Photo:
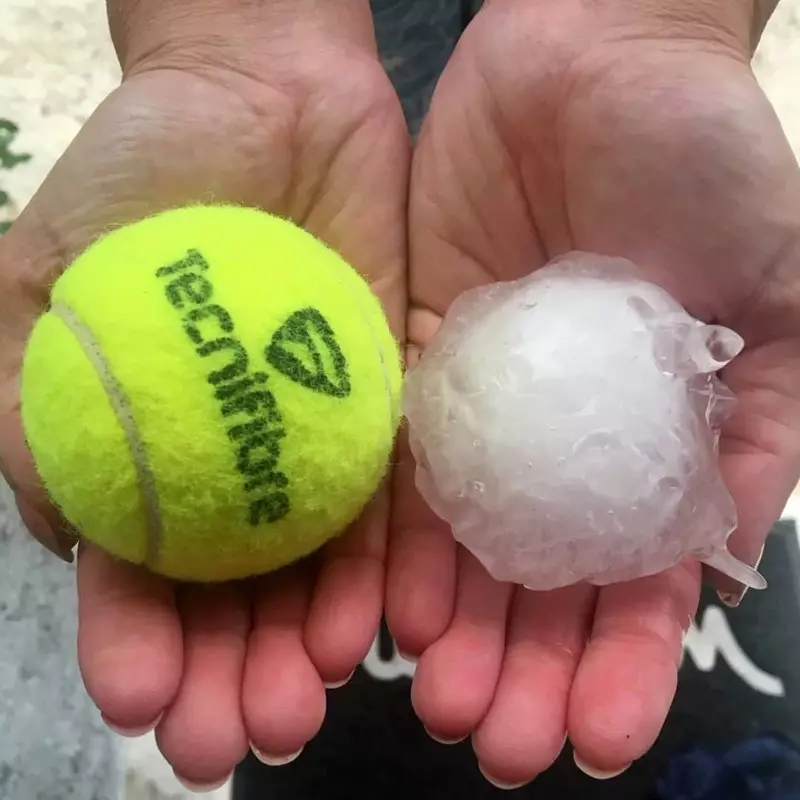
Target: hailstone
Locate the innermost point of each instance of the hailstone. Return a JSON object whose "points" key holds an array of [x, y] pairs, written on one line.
{"points": [[566, 426]]}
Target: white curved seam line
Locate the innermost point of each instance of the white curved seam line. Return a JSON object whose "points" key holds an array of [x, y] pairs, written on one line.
{"points": [[124, 413]]}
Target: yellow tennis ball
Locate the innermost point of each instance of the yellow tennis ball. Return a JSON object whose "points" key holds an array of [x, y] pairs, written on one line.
{"points": [[212, 393]]}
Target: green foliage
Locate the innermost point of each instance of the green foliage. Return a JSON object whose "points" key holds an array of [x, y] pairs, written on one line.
{"points": [[8, 160], [8, 132]]}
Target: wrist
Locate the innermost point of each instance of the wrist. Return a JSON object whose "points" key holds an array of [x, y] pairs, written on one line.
{"points": [[739, 21], [164, 33], [762, 11], [735, 25], [723, 22]]}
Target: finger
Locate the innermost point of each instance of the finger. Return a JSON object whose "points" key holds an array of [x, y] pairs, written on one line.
{"points": [[283, 697], [760, 449], [130, 645], [22, 300], [45, 524], [757, 511], [456, 677], [526, 727], [627, 677], [348, 599], [202, 735], [421, 576]]}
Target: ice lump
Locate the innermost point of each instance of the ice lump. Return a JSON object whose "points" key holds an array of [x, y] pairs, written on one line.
{"points": [[566, 426]]}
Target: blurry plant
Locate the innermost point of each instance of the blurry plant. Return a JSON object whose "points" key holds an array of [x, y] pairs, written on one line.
{"points": [[8, 132], [8, 160]]}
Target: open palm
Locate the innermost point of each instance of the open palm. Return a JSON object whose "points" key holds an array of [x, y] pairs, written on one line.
{"points": [[318, 138], [552, 130]]}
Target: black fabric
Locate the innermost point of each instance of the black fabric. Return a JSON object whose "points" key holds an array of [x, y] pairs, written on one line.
{"points": [[416, 39], [736, 715]]}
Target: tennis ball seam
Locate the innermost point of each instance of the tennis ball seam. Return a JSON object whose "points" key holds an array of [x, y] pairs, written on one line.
{"points": [[122, 408]]}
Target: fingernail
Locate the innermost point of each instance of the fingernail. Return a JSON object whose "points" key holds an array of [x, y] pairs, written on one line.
{"points": [[407, 657], [339, 684], [203, 787], [731, 599], [132, 733], [274, 761], [441, 740], [43, 532], [506, 787], [760, 554], [67, 548], [71, 536], [734, 599], [594, 772]]}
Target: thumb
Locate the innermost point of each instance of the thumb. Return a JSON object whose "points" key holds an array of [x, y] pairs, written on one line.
{"points": [[760, 444], [28, 263]]}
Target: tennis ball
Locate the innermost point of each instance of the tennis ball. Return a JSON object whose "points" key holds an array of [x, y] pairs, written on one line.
{"points": [[212, 393]]}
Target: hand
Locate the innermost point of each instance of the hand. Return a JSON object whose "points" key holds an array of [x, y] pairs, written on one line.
{"points": [[292, 113], [566, 125]]}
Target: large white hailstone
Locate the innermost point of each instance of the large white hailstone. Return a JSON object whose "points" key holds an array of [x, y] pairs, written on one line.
{"points": [[566, 426]]}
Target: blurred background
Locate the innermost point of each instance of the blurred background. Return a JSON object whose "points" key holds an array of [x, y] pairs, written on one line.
{"points": [[56, 65]]}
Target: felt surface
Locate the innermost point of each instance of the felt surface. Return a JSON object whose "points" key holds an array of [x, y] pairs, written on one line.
{"points": [[213, 392]]}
